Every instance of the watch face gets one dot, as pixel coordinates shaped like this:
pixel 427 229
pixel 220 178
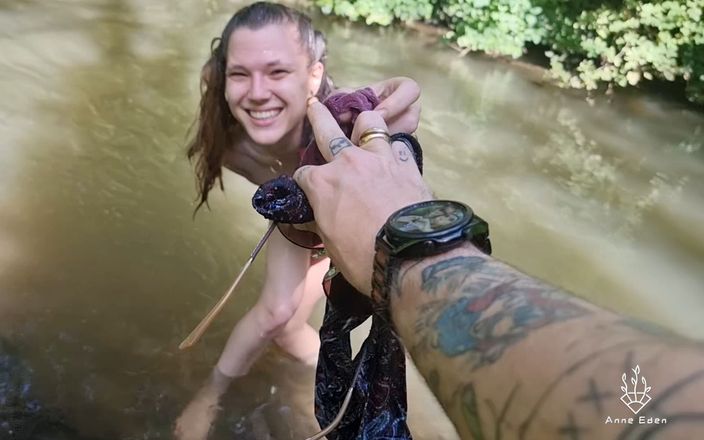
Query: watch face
pixel 430 217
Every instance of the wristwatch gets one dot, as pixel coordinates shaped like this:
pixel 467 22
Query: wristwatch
pixel 422 230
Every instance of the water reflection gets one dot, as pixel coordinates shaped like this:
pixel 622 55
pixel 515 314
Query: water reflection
pixel 103 270
pixel 101 196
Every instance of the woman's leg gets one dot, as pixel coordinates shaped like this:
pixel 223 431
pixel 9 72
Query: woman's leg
pixel 298 338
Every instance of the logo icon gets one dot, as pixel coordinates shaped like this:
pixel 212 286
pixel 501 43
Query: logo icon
pixel 635 398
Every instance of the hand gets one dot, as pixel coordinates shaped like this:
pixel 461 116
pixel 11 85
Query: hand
pixel 354 194
pixel 198 417
pixel 196 420
pixel 398 106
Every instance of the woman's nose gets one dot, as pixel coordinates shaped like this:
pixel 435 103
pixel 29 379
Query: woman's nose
pixel 259 89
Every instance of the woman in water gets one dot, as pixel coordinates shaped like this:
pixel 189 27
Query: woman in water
pixel 268 62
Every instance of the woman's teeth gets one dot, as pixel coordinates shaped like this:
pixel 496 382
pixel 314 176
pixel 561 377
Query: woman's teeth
pixel 268 114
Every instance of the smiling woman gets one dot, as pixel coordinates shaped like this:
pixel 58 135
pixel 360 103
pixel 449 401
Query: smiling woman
pixel 268 61
pixel 267 81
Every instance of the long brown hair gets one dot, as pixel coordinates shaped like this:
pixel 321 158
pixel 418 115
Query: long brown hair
pixel 215 125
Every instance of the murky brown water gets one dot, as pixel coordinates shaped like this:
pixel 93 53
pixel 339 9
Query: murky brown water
pixel 103 270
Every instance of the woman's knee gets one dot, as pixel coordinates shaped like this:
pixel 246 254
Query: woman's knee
pixel 274 317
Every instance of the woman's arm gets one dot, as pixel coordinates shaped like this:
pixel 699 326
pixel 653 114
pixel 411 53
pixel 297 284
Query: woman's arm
pixel 507 355
pixel 282 292
pixel 286 267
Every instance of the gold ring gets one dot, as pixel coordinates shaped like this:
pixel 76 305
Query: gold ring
pixel 373 130
pixel 373 133
pixel 368 138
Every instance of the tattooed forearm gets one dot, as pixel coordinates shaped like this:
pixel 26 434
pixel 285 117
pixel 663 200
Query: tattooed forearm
pixel 512 357
pixel 496 308
pixel 449 274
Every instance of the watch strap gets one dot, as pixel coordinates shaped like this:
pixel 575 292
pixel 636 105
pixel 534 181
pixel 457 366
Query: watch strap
pixel 384 274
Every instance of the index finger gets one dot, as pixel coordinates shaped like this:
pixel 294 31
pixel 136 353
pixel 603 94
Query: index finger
pixel 329 136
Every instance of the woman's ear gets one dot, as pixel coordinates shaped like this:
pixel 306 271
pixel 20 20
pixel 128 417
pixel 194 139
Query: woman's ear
pixel 315 78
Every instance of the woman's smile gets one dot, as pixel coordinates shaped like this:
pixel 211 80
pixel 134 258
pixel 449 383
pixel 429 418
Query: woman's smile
pixel 264 114
pixel 264 117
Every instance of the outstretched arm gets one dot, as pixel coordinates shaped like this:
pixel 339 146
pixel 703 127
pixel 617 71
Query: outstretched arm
pixel 507 355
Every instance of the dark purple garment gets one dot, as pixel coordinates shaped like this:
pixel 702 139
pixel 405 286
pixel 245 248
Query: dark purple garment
pixel 282 201
pixel 355 103
pixel 378 408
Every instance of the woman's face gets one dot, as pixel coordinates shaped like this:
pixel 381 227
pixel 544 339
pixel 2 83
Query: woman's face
pixel 267 81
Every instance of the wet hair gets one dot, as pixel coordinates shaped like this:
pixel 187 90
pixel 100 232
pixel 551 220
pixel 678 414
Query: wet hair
pixel 215 126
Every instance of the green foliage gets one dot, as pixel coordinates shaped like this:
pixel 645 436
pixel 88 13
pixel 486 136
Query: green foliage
pixel 626 45
pixel 378 12
pixel 591 42
pixel 498 27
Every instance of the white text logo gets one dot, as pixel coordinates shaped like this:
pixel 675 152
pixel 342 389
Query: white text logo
pixel 636 396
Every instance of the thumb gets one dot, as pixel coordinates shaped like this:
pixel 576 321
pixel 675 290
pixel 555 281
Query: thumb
pixel 302 177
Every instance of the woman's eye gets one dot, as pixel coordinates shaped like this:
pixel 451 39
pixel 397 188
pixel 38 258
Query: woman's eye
pixel 279 73
pixel 236 74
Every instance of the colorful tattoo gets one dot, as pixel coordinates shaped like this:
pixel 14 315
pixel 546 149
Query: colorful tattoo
pixel 496 308
pixel 477 308
pixel 450 273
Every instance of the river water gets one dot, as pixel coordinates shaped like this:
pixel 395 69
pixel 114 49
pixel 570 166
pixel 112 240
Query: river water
pixel 103 270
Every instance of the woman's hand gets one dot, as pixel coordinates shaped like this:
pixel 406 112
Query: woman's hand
pixel 399 104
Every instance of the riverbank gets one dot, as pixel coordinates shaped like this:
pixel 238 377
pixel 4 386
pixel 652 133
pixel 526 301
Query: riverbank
pixel 599 48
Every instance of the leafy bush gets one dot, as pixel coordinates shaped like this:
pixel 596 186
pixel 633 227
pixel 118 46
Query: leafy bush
pixel 624 46
pixel 498 27
pixel 590 42
pixel 378 12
